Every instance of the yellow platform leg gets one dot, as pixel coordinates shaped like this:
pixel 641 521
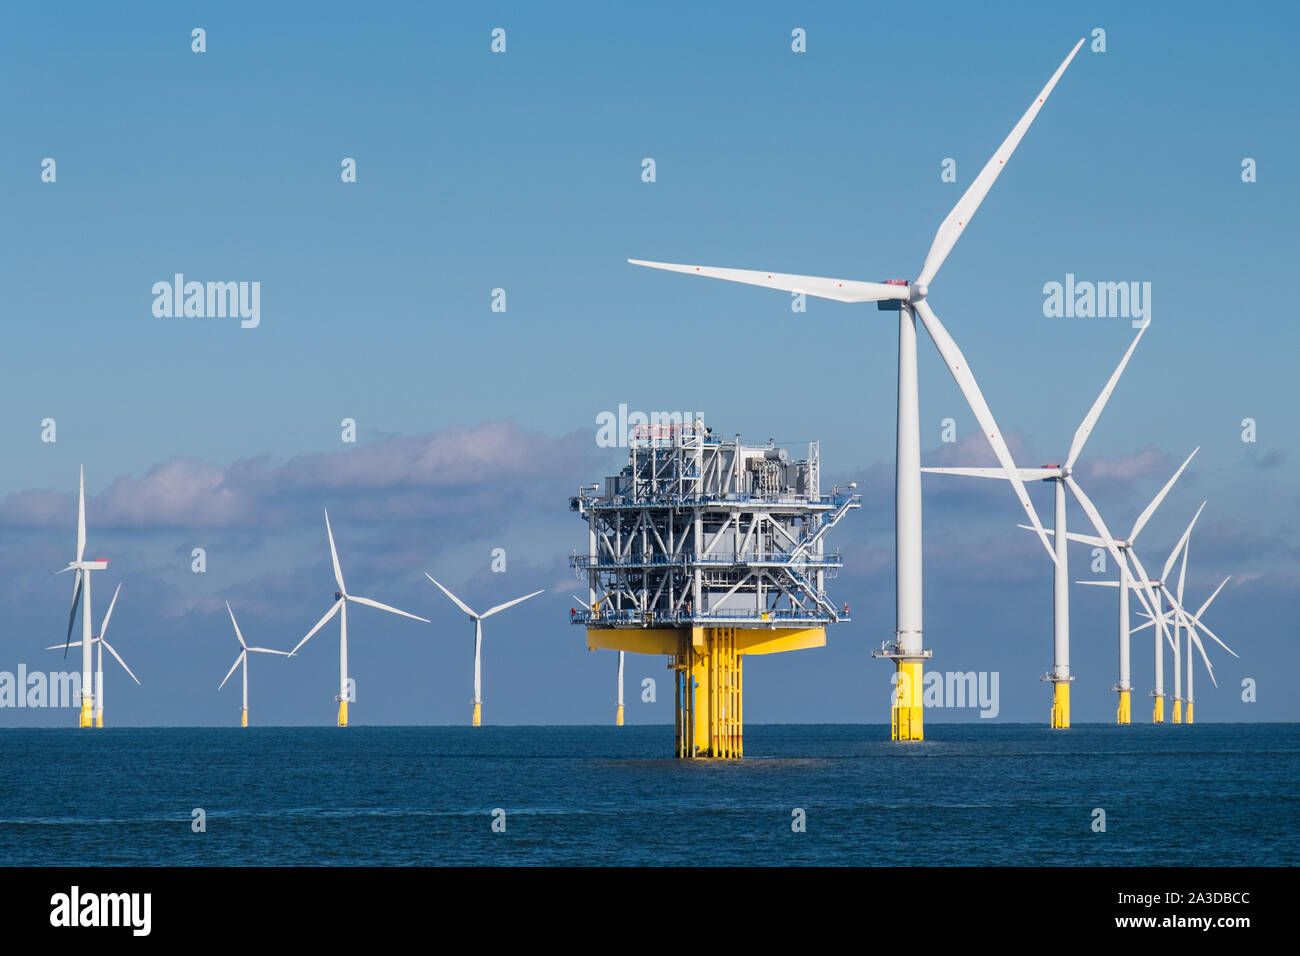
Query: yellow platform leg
pixel 99 719
pixel 1178 711
pixel 618 717
pixel 1124 714
pixel 343 713
pixel 87 718
pixel 478 715
pixel 1158 714
pixel 1061 705
pixel 243 717
pixel 1189 712
pixel 710 706
pixel 906 716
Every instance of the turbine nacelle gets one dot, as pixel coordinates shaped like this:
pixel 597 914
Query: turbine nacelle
pixel 96 564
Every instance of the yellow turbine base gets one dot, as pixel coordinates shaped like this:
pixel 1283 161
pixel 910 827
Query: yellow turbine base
pixel 1178 711
pixel 1189 712
pixel 478 714
pixel 343 713
pixel 618 717
pixel 1061 705
pixel 1124 715
pixel 1158 715
pixel 99 719
pixel 906 720
pixel 87 718
pixel 243 718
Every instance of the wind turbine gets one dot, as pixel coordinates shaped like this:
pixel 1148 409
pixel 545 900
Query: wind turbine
pixel 1060 476
pixel 1124 686
pixel 80 581
pixel 100 643
pixel 243 659
pixel 478 620
pixel 341 599
pixel 618 713
pixel 909 299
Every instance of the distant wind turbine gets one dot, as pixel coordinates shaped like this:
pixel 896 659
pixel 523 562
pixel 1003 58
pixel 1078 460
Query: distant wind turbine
pixel 80 582
pixel 243 659
pixel 478 620
pixel 340 607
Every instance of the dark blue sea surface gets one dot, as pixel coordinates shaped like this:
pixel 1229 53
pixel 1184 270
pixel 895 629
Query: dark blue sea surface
pixel 1208 794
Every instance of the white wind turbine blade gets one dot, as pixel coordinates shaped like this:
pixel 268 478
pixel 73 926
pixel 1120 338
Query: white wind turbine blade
pixel 951 228
pixel 384 607
pixel 1091 539
pixel 103 628
pixel 319 624
pixel 1094 413
pixel 1206 605
pixel 1201 647
pixel 109 647
pixel 956 362
pixel 237 632
pixel 1100 584
pixel 81 517
pixel 72 615
pixel 334 554
pixel 1182 571
pixel 1150 509
pixel 238 660
pixel 581 601
pixel 1182 543
pixel 459 603
pixel 59 647
pixel 502 607
pixel 1214 637
pixel 267 650
pixel 1026 474
pixel 841 290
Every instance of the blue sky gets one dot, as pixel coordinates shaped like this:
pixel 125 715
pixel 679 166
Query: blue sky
pixel 522 171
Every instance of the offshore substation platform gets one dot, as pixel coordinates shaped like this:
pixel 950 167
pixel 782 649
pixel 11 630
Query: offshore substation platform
pixel 707 550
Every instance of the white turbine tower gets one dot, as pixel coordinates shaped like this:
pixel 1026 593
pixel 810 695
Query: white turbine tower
pixel 80 582
pixel 907 650
pixel 1060 476
pixel 100 643
pixel 341 599
pixel 478 620
pixel 618 711
pixel 1124 686
pixel 243 659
